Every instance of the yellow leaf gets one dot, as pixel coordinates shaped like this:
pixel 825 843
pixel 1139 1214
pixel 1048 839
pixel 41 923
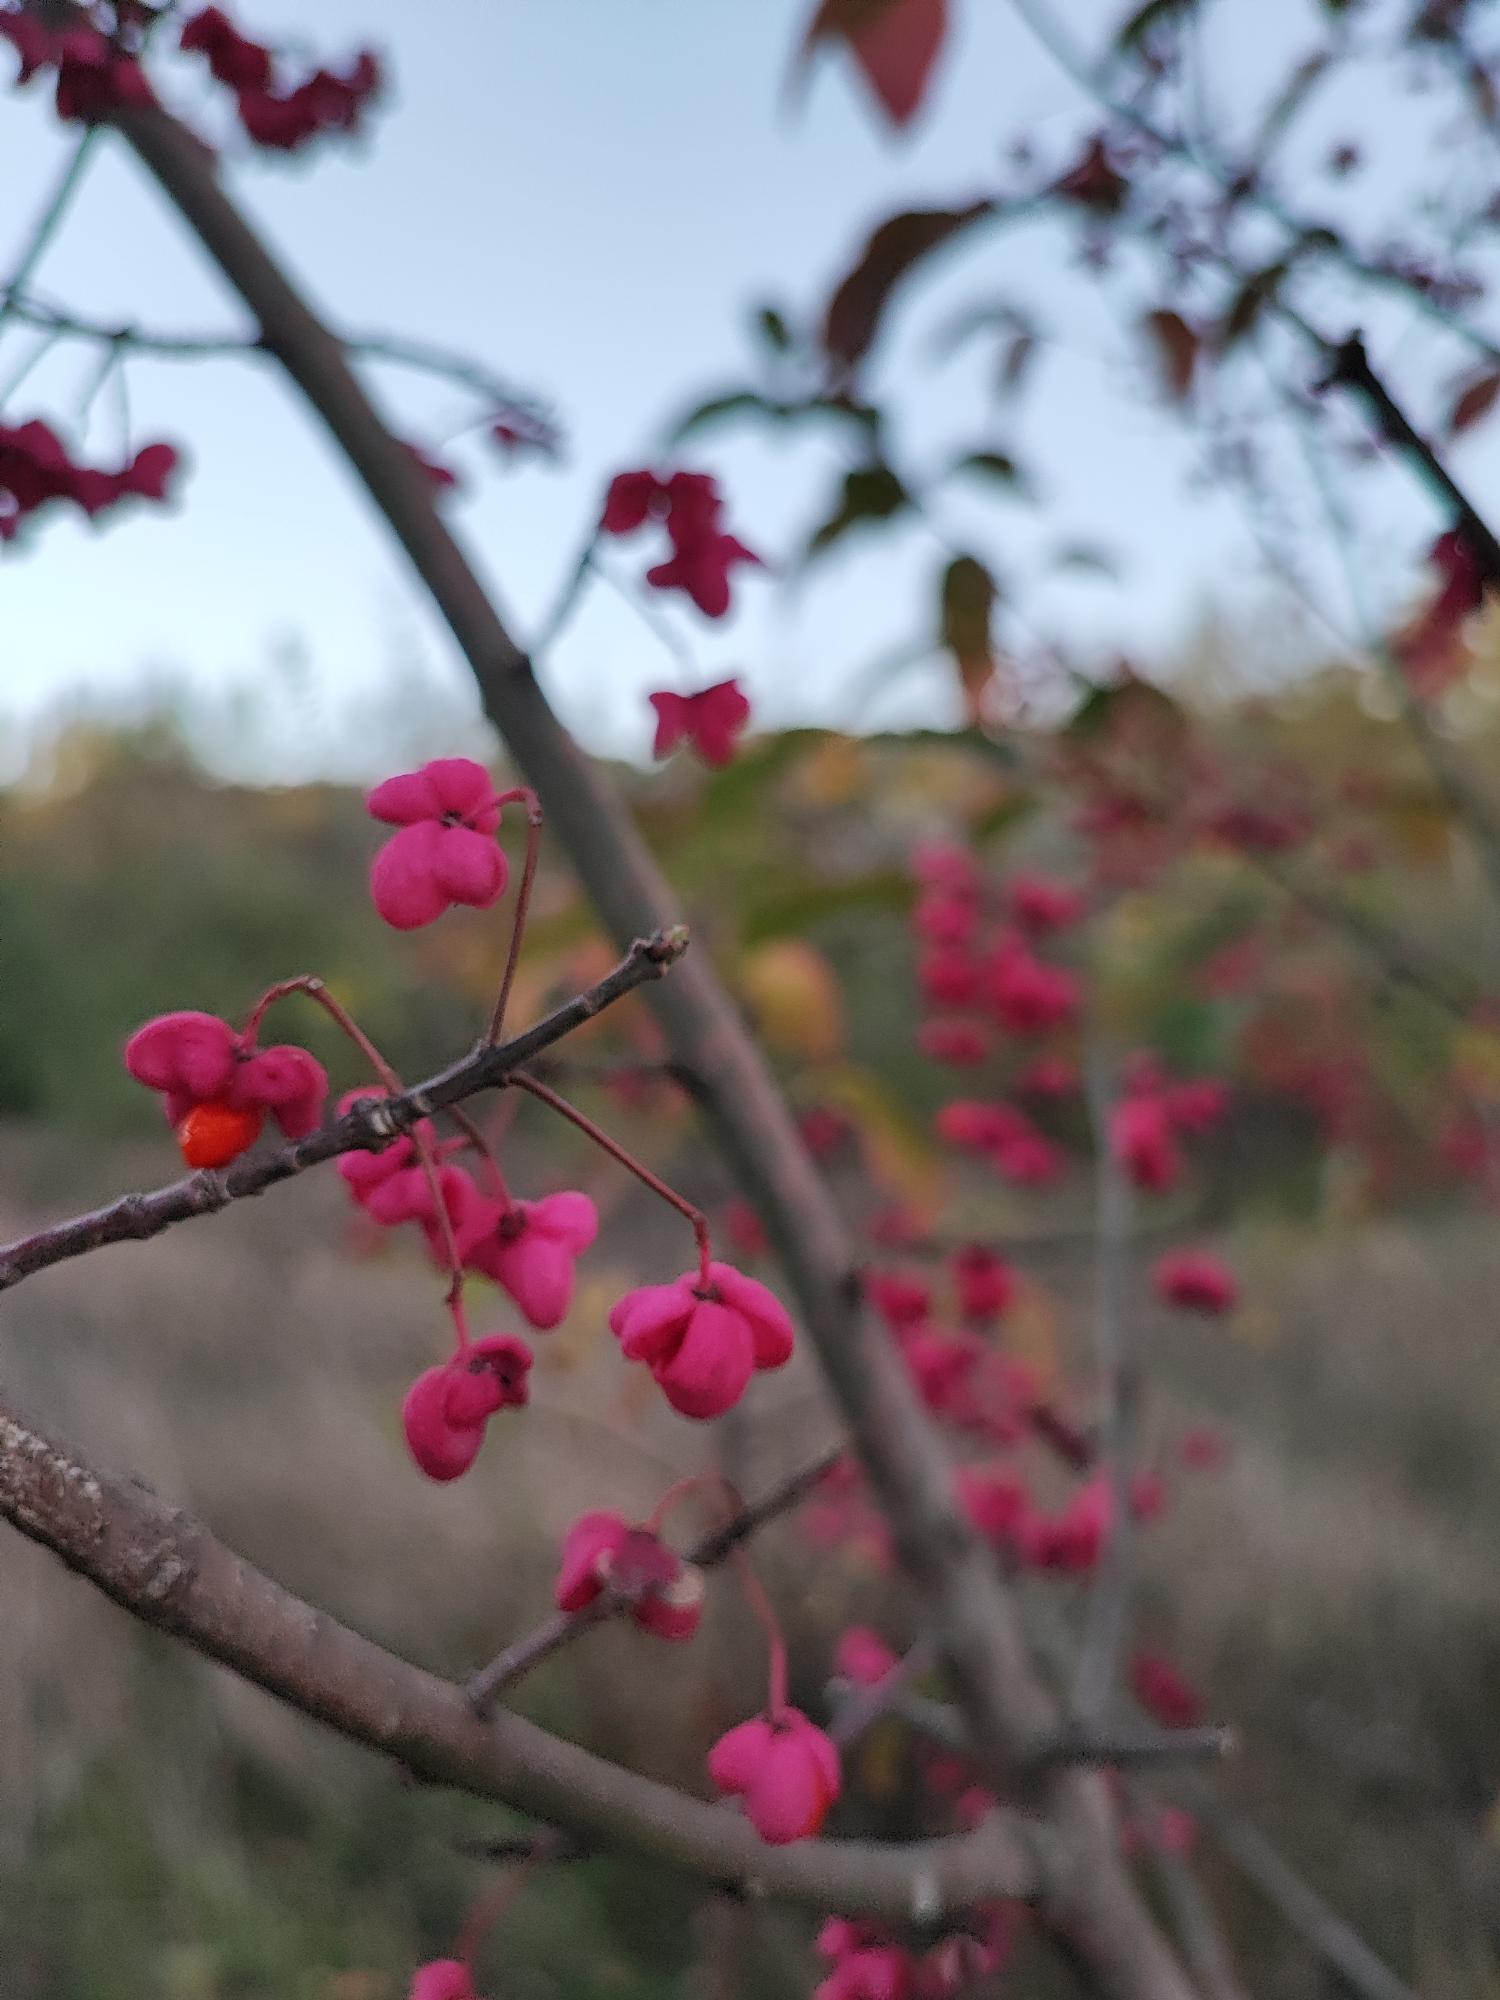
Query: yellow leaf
pixel 1476 1057
pixel 901 1156
pixel 1031 1331
pixel 882 1759
pixel 834 773
pixel 793 994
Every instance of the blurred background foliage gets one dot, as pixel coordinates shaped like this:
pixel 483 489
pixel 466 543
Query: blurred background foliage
pixel 168 1834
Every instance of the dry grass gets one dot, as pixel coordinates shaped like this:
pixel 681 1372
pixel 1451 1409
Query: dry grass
pixel 1334 1590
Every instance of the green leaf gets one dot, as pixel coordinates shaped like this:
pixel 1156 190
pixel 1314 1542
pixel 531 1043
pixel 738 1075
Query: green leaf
pixel 732 403
pixel 871 493
pixel 1290 101
pixel 1176 346
pixel 996 466
pixel 1086 557
pixel 791 912
pixel 1258 291
pixel 773 329
pixel 1153 15
pixel 1105 701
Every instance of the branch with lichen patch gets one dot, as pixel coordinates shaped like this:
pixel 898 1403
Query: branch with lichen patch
pixel 168 1571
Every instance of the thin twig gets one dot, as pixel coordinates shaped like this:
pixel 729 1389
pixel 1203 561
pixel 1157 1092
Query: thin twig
pixel 1109 1602
pixel 125 338
pixel 47 223
pixel 562 1627
pixel 133 1218
pixel 1132 1748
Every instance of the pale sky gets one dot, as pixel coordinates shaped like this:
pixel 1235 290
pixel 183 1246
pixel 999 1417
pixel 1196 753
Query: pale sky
pixel 588 195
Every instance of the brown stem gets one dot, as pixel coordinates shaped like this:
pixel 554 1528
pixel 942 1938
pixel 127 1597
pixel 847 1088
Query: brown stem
pixel 475 1138
pixel 627 1160
pixel 422 1145
pixel 523 905
pixel 1351 369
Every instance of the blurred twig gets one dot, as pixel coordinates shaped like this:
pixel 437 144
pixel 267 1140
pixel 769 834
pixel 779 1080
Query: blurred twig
pixel 552 1634
pixel 1109 1604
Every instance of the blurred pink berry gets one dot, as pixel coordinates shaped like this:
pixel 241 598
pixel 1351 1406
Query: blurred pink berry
pixel 1198 1106
pixel 944 919
pixel 744 1229
pixel 960 1044
pixel 1141 1138
pixel 901 1300
pixel 985 1283
pixel 1203 1449
pixel 711 721
pixel 949 976
pixel 1029 997
pixel 1163 1693
pixel 944 865
pixel 862 1656
pixel 1040 904
pixel 1195 1280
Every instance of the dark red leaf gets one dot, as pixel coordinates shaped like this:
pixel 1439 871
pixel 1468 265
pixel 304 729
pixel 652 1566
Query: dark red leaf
pixel 1474 401
pixel 895 43
pixel 1094 183
pixel 1177 350
pixel 902 241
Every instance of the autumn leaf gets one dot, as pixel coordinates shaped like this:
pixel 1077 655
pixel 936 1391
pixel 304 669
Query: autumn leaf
pixel 1176 350
pixel 900 243
pixel 894 43
pixel 1474 401
pixel 968 599
pixel 1095 183
pixel 794 995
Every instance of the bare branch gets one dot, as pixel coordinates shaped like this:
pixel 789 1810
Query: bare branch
pixel 47 224
pixel 134 1218
pixel 1351 369
pixel 1130 1749
pixel 168 1571
pixel 125 337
